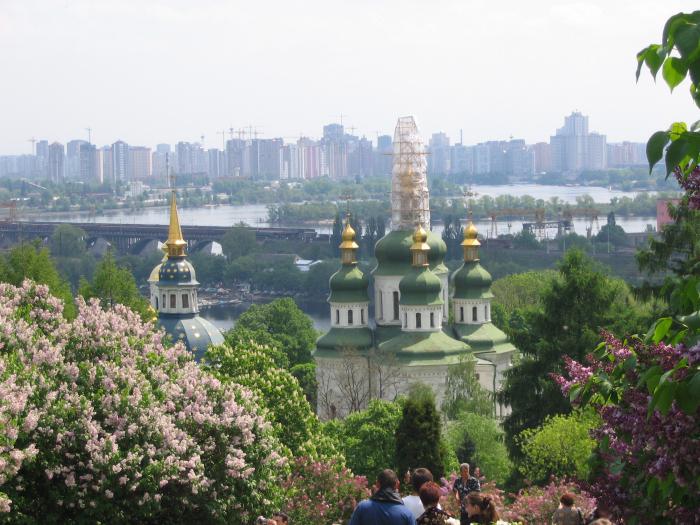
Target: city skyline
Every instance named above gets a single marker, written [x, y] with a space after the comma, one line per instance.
[159, 71]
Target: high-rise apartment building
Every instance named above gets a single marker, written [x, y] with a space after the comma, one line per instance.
[625, 154]
[108, 166]
[72, 166]
[383, 155]
[56, 160]
[543, 157]
[439, 158]
[596, 155]
[42, 159]
[269, 158]
[574, 149]
[120, 161]
[90, 162]
[139, 163]
[160, 159]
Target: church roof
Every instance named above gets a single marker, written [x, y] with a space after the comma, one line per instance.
[485, 337]
[195, 332]
[393, 253]
[177, 271]
[424, 348]
[471, 281]
[420, 286]
[336, 339]
[348, 285]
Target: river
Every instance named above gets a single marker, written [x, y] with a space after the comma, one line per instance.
[256, 214]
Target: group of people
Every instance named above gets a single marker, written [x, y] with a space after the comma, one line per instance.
[280, 518]
[422, 507]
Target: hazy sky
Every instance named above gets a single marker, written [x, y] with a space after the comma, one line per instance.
[149, 71]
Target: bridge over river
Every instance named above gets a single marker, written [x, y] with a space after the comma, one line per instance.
[133, 237]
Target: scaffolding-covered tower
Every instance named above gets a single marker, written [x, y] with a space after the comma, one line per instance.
[409, 183]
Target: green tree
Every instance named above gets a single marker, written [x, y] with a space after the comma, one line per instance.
[574, 308]
[419, 434]
[305, 374]
[113, 285]
[521, 290]
[561, 447]
[30, 261]
[478, 440]
[252, 366]
[286, 323]
[240, 335]
[367, 438]
[68, 241]
[463, 393]
[238, 241]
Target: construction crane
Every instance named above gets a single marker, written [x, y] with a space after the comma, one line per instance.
[514, 213]
[30, 183]
[33, 141]
[590, 214]
[12, 215]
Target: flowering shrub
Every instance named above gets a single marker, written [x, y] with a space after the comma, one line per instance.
[99, 422]
[449, 502]
[535, 505]
[647, 395]
[322, 492]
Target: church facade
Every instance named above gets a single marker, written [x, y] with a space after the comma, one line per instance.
[424, 318]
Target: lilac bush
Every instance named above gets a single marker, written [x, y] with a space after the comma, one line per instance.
[535, 505]
[100, 422]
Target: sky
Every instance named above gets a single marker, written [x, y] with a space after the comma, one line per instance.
[163, 71]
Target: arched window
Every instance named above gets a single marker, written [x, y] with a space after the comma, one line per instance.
[486, 313]
[396, 305]
[362, 316]
[164, 303]
[337, 316]
[349, 316]
[380, 308]
[474, 314]
[418, 320]
[156, 302]
[173, 301]
[185, 300]
[432, 319]
[405, 320]
[461, 313]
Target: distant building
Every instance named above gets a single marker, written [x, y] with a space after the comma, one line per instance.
[439, 158]
[72, 166]
[107, 165]
[139, 163]
[56, 161]
[543, 157]
[42, 159]
[216, 163]
[382, 155]
[269, 158]
[120, 161]
[90, 162]
[461, 160]
[159, 159]
[234, 157]
[626, 154]
[574, 149]
[596, 158]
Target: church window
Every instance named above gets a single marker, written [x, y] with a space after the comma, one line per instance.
[173, 301]
[185, 300]
[349, 316]
[461, 313]
[164, 303]
[474, 314]
[432, 319]
[156, 303]
[362, 316]
[396, 306]
[418, 323]
[486, 312]
[405, 320]
[380, 295]
[337, 316]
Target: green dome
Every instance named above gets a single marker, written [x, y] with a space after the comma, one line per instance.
[394, 255]
[177, 270]
[348, 285]
[420, 286]
[472, 281]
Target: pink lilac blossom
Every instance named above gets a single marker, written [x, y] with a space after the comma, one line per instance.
[101, 411]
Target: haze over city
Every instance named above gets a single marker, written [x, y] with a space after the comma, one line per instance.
[158, 71]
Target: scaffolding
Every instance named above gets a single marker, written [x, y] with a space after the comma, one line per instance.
[410, 201]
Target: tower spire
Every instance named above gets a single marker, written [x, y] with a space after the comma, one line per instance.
[419, 248]
[348, 248]
[471, 243]
[175, 243]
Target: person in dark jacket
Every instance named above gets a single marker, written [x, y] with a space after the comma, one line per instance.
[385, 506]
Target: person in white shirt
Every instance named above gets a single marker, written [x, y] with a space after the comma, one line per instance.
[413, 502]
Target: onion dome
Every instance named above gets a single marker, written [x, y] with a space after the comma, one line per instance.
[394, 256]
[471, 243]
[420, 286]
[196, 333]
[177, 271]
[348, 246]
[471, 280]
[348, 285]
[153, 278]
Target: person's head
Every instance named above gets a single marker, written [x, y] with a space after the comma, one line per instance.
[429, 494]
[464, 470]
[567, 499]
[281, 518]
[481, 505]
[601, 521]
[387, 480]
[419, 477]
[477, 472]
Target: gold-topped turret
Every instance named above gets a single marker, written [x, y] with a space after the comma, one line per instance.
[348, 246]
[471, 243]
[420, 248]
[175, 243]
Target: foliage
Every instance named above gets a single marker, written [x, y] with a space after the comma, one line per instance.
[521, 290]
[67, 241]
[535, 505]
[30, 261]
[526, 240]
[478, 440]
[240, 335]
[648, 396]
[322, 492]
[113, 285]
[561, 447]
[418, 435]
[102, 423]
[612, 233]
[574, 306]
[250, 365]
[238, 241]
[367, 438]
[286, 323]
[210, 268]
[305, 374]
[463, 392]
[488, 487]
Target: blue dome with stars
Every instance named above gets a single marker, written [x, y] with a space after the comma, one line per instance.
[196, 333]
[177, 270]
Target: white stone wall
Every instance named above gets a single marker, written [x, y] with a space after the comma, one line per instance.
[445, 279]
[409, 320]
[182, 306]
[340, 317]
[467, 306]
[384, 288]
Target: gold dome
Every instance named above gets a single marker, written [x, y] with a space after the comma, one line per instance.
[153, 278]
[420, 237]
[348, 237]
[471, 235]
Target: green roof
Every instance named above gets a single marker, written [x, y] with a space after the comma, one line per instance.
[424, 348]
[384, 333]
[483, 337]
[394, 255]
[338, 338]
[471, 281]
[420, 286]
[348, 285]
